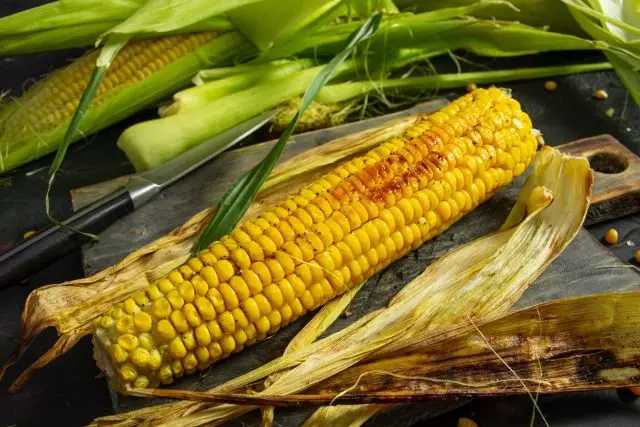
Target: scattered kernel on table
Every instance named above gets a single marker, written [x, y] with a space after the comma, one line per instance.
[550, 86]
[471, 87]
[601, 94]
[609, 112]
[466, 422]
[611, 236]
[28, 234]
[637, 257]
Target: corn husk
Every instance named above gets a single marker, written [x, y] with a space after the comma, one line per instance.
[72, 306]
[484, 277]
[574, 344]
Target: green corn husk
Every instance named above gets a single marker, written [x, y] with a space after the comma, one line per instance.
[212, 91]
[68, 24]
[19, 144]
[151, 143]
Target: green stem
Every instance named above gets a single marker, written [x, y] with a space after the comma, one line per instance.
[197, 96]
[342, 92]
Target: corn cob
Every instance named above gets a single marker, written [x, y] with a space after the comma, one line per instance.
[49, 104]
[330, 236]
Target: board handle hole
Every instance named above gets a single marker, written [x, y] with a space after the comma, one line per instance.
[609, 163]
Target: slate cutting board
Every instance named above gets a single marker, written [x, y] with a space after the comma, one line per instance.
[585, 267]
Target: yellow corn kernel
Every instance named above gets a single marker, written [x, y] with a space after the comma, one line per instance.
[209, 274]
[253, 281]
[161, 308]
[118, 353]
[128, 373]
[166, 374]
[240, 319]
[224, 269]
[286, 290]
[228, 344]
[263, 304]
[231, 300]
[202, 335]
[190, 362]
[215, 330]
[191, 314]
[262, 271]
[179, 321]
[164, 285]
[130, 306]
[155, 359]
[273, 294]
[189, 340]
[186, 291]
[200, 286]
[215, 350]
[146, 340]
[202, 354]
[128, 342]
[175, 299]
[205, 308]
[216, 299]
[143, 322]
[140, 357]
[227, 322]
[124, 324]
[251, 309]
[176, 368]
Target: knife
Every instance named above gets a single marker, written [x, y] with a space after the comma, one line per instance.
[53, 243]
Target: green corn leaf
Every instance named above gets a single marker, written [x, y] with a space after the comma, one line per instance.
[107, 54]
[236, 201]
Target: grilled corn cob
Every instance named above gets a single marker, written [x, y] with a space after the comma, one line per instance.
[331, 235]
[26, 123]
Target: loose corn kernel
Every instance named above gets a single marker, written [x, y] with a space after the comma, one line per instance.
[601, 95]
[550, 86]
[611, 236]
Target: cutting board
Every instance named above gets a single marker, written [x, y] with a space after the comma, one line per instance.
[585, 267]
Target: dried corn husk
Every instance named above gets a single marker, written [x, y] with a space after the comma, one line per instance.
[574, 344]
[71, 307]
[484, 277]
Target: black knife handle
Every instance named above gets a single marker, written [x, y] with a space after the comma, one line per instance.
[53, 243]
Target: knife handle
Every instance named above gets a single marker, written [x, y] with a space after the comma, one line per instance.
[53, 243]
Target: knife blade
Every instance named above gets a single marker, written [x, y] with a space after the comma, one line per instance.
[53, 243]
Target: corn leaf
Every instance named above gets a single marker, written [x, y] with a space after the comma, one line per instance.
[237, 200]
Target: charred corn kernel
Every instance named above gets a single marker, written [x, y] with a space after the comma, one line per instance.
[611, 236]
[119, 354]
[329, 237]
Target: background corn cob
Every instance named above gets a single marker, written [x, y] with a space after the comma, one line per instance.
[33, 125]
[314, 245]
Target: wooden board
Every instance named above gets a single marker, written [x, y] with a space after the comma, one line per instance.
[585, 267]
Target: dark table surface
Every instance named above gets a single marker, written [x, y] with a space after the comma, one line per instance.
[70, 392]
